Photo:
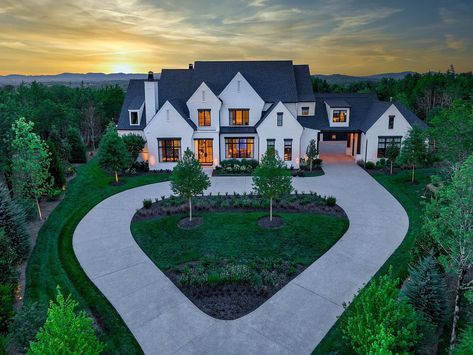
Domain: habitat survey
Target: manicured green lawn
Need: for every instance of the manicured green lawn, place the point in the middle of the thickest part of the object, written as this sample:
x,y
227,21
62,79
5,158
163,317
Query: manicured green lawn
x,y
410,198
53,261
303,238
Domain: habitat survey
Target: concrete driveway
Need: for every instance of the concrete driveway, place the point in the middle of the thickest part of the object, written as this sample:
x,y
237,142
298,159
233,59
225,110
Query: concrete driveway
x,y
293,321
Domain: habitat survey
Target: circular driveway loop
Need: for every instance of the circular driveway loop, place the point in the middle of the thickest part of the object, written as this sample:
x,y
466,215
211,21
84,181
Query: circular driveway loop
x,y
293,321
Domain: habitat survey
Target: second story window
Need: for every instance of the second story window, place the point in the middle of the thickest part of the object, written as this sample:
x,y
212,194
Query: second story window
x,y
391,122
204,117
339,116
134,121
279,119
305,111
239,117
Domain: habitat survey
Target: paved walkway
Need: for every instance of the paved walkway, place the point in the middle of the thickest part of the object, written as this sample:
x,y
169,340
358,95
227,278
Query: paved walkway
x,y
293,321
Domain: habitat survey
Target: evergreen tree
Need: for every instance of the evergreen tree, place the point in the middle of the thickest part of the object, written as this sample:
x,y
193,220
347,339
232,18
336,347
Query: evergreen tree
x,y
12,220
188,179
77,146
311,152
413,150
465,346
66,332
56,169
30,163
380,322
8,272
113,155
134,144
272,179
426,290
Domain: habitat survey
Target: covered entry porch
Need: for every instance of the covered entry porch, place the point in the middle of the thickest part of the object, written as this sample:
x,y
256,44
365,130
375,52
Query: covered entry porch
x,y
339,145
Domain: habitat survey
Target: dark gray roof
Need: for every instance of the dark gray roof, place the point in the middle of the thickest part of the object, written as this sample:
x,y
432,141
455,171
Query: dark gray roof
x,y
134,93
266,113
365,109
240,129
136,103
303,83
182,109
337,103
273,80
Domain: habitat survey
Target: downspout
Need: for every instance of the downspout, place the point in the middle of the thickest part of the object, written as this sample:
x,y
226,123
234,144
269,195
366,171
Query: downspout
x,y
366,150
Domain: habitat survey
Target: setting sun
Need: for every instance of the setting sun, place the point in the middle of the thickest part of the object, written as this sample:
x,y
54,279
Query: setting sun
x,y
121,68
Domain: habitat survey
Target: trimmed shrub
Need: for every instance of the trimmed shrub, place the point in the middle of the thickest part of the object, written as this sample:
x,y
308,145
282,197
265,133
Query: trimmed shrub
x,y
331,201
380,322
370,165
25,324
77,146
426,290
147,203
12,220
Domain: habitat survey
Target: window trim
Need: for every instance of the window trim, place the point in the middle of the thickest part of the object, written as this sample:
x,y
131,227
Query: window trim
x,y
289,155
339,111
303,108
273,141
391,121
210,117
239,155
173,147
230,116
130,112
381,152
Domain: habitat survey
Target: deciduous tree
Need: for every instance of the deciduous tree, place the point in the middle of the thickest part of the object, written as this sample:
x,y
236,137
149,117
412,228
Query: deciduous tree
x,y
134,144
30,163
272,179
311,152
449,220
188,179
392,152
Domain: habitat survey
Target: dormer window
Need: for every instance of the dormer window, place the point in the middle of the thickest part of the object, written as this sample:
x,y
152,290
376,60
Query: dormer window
x,y
339,116
279,119
134,118
305,111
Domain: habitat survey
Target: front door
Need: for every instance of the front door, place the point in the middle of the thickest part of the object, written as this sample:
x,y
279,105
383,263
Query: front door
x,y
204,149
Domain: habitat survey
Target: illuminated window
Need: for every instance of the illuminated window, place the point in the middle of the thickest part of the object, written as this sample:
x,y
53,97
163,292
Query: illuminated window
x,y
239,147
339,116
204,117
305,111
239,117
288,149
391,122
169,149
384,142
134,118
279,119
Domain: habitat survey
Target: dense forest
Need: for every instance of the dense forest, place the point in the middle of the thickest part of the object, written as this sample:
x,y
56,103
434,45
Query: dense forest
x,y
424,94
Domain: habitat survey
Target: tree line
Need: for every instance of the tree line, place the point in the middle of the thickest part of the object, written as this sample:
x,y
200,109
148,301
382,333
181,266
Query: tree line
x,y
424,94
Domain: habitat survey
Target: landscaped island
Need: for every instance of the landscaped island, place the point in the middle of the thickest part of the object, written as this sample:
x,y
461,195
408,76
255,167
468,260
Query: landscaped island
x,y
230,264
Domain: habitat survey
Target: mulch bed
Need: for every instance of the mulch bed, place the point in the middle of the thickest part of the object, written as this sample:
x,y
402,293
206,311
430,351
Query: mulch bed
x,y
265,222
185,223
229,300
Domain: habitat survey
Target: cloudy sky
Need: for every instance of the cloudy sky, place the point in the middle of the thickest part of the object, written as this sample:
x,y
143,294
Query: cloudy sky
x,y
351,37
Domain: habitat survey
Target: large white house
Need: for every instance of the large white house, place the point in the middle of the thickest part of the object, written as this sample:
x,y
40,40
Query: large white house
x,y
237,109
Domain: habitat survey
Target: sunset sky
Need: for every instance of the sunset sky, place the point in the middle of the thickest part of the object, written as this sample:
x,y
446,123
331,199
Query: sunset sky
x,y
350,37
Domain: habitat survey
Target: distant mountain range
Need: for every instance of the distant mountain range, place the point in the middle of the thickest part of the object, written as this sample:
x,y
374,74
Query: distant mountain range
x,y
347,79
99,79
